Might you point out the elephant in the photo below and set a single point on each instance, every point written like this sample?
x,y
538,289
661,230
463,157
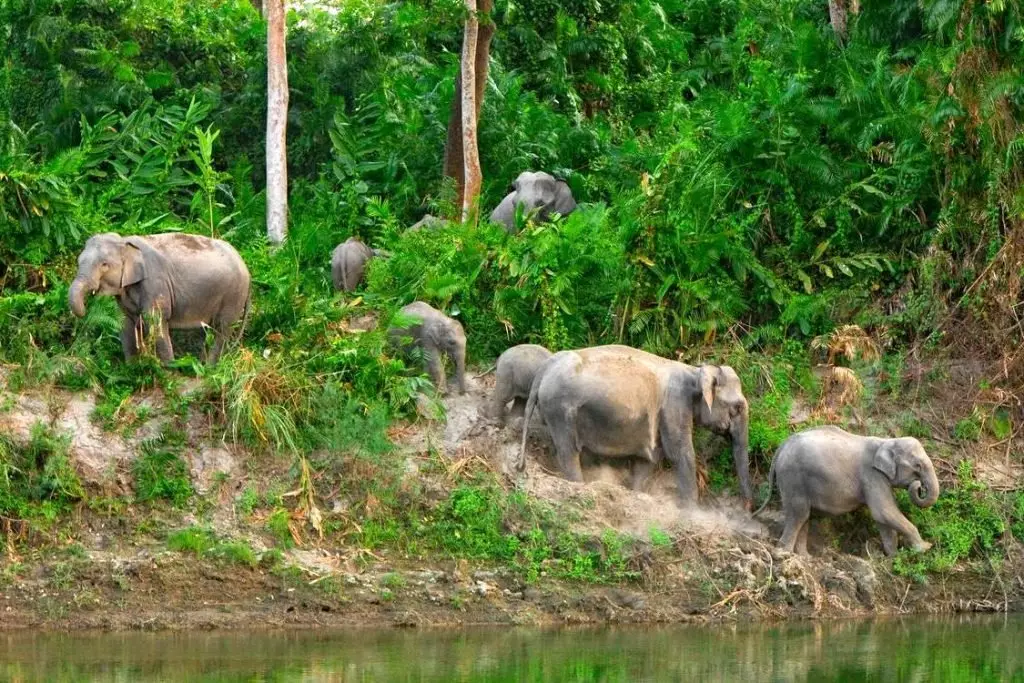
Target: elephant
x,y
833,471
187,281
348,263
540,192
514,373
619,401
428,222
435,333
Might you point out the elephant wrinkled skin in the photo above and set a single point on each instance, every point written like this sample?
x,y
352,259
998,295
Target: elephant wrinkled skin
x,y
185,281
536,192
832,471
435,333
619,401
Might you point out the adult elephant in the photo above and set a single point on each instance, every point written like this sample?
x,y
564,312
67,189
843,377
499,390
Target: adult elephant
x,y
619,401
538,192
175,280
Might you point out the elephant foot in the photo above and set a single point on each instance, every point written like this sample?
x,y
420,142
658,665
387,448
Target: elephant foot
x,y
922,547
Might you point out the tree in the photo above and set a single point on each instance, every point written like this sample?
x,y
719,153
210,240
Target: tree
x,y
473,69
838,14
277,122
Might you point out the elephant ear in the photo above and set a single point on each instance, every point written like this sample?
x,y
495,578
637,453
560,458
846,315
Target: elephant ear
x,y
885,461
133,268
708,377
564,203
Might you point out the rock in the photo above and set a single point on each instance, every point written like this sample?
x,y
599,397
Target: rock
x,y
865,580
207,463
484,576
624,598
482,588
531,593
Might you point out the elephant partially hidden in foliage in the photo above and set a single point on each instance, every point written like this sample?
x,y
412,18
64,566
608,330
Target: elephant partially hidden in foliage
x,y
619,401
436,334
536,192
348,263
830,470
514,375
172,280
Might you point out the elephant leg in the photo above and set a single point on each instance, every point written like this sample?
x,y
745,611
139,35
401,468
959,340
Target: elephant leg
x,y
889,539
642,471
220,338
798,512
886,513
164,348
563,433
435,368
801,538
130,337
498,403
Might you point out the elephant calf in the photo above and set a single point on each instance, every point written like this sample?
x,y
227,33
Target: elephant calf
x,y
536,192
833,471
348,263
185,281
515,371
435,333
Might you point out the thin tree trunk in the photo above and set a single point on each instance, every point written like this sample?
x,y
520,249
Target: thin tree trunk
x,y
470,151
837,15
454,156
277,123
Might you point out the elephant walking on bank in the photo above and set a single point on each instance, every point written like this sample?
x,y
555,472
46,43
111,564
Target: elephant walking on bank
x,y
536,192
436,334
830,470
619,401
175,280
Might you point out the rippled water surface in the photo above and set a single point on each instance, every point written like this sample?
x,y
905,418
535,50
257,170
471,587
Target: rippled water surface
x,y
962,649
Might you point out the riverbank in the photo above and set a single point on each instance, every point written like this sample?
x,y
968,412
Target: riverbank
x,y
430,531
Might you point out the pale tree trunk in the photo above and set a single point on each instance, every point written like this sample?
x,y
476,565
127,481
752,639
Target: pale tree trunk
x,y
839,12
454,156
471,156
277,123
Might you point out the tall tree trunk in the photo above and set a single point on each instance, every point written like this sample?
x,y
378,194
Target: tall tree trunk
x,y
277,123
837,14
471,156
454,156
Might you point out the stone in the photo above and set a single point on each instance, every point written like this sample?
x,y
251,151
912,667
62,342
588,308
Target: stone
x,y
207,463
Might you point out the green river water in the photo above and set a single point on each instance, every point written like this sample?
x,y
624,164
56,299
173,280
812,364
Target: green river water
x,y
958,649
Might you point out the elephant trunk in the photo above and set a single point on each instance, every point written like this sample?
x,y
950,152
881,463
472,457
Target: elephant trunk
x,y
76,295
924,493
740,455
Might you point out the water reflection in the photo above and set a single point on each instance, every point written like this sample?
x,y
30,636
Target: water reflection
x,y
960,649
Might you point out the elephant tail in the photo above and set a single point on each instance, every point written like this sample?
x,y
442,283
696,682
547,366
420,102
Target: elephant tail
x,y
245,320
771,480
531,403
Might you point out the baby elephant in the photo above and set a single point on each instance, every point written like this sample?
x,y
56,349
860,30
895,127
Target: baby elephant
x,y
833,471
436,333
515,371
348,263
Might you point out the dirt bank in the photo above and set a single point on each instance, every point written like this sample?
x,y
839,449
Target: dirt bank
x,y
110,565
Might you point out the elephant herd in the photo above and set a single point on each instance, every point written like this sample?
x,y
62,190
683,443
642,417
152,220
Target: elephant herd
x,y
617,401
613,401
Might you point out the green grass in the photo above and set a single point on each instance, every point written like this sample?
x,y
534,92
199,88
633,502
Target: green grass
x,y
204,543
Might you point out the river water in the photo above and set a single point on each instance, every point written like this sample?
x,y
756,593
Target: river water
x,y
958,649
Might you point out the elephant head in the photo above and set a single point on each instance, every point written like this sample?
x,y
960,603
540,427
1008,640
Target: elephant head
x,y
536,192
107,265
905,464
722,407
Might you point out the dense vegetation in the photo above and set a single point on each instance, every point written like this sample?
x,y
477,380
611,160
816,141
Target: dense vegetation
x,y
749,184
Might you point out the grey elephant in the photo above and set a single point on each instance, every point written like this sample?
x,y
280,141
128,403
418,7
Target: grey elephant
x,y
618,401
537,192
436,334
428,222
178,280
832,471
348,263
514,375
